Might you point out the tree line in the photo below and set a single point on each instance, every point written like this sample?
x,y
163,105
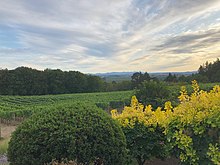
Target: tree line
x,y
28,81
208,72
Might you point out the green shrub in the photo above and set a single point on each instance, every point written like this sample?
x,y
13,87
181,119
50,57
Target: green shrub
x,y
194,128
143,131
78,132
152,92
146,142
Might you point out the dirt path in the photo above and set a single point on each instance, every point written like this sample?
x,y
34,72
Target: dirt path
x,y
6,130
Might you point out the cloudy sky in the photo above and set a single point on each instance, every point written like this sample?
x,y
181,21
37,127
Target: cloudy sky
x,y
109,35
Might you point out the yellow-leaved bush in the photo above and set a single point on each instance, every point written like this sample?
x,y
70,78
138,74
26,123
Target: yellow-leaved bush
x,y
191,129
194,127
137,113
144,130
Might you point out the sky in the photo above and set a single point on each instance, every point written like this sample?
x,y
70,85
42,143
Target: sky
x,y
94,36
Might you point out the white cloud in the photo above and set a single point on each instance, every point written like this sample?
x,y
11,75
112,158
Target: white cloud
x,y
101,36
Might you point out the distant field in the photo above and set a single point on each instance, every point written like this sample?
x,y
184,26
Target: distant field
x,y
117,78
23,106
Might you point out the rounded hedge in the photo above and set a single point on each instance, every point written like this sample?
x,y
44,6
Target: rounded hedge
x,y
79,132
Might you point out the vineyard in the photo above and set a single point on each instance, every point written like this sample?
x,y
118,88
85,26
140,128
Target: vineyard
x,y
19,107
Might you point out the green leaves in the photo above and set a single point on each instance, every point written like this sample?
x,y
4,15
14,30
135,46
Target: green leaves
x,y
146,142
194,128
76,131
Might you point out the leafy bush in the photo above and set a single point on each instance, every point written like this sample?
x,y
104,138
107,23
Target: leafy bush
x,y
152,92
79,132
194,127
144,133
146,143
191,129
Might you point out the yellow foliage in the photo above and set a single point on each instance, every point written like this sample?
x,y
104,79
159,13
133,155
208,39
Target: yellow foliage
x,y
137,113
199,107
183,94
193,108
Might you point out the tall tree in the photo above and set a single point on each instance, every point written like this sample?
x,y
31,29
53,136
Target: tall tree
x,y
210,71
137,78
171,78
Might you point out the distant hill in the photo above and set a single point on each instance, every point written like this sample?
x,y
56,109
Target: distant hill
x,y
116,76
126,76
163,75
